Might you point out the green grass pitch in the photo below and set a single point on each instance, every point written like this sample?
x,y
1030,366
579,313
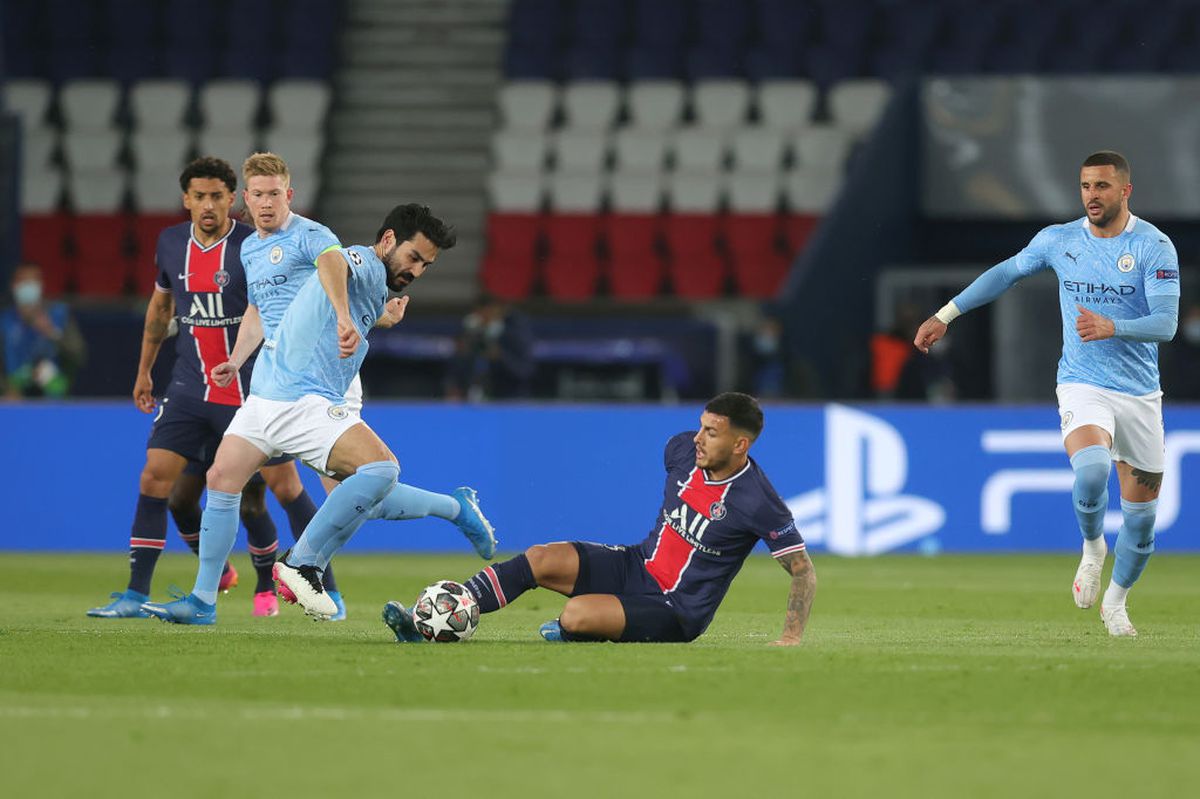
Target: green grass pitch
x,y
925,677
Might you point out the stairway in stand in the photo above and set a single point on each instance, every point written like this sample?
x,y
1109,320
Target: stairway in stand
x,y
411,120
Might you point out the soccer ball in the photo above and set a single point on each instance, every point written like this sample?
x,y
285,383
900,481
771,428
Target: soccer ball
x,y
446,611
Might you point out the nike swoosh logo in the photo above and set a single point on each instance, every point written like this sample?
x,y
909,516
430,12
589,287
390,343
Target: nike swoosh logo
x,y
186,275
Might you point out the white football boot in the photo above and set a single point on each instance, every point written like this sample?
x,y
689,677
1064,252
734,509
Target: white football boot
x,y
1117,622
1086,586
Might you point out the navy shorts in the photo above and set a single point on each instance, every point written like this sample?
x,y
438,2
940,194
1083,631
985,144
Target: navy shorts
x,y
619,570
193,428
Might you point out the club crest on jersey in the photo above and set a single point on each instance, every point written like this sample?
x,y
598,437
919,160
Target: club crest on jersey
x,y
221,278
277,254
716,511
338,412
1125,263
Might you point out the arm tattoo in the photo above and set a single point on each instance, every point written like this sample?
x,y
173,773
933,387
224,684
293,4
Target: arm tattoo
x,y
800,597
1151,480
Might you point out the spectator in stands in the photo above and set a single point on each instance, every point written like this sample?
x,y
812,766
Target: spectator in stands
x,y
42,345
895,374
494,355
1179,359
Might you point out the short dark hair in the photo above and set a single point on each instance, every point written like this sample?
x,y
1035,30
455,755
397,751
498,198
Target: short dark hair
x,y
406,221
742,410
1108,158
209,167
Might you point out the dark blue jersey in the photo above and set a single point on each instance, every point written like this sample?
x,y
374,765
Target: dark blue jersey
x,y
209,288
707,528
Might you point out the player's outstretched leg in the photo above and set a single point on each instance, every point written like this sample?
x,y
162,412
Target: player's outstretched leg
x,y
1092,466
1135,544
300,569
461,507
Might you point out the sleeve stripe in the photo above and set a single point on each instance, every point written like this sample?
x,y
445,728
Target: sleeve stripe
x,y
789,550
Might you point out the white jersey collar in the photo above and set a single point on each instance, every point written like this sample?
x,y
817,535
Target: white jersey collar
x,y
1133,220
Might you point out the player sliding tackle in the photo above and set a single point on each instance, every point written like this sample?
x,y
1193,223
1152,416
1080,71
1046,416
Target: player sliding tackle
x,y
1108,390
717,505
297,406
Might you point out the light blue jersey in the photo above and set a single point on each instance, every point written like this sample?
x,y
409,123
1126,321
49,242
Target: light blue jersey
x,y
280,264
302,357
1114,277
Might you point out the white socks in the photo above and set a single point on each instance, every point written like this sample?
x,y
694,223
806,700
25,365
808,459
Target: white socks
x,y
1095,548
1114,597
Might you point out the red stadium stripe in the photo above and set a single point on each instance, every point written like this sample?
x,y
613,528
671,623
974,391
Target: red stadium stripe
x,y
147,543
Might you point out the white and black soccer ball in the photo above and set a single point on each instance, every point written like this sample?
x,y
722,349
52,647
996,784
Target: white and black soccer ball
x,y
445,612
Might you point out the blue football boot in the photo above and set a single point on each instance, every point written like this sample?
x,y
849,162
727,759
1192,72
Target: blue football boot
x,y
400,619
127,605
336,596
186,609
473,523
552,631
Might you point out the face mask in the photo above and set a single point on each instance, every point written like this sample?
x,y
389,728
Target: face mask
x,y
28,293
1191,331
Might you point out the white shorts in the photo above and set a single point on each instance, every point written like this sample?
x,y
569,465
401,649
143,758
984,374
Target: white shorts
x,y
1135,423
354,396
306,429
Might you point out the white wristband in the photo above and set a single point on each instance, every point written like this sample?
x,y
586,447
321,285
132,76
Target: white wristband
x,y
948,313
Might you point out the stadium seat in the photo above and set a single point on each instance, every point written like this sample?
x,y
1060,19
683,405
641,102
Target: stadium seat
x,y
306,189
655,104
653,63
721,104
89,104
536,23
636,192
811,190
576,192
699,149
300,148
516,191
586,63
694,192
661,23
227,143
29,99
45,240
528,104
298,105
758,262
91,149
146,229
722,22
41,191
229,104
704,62
634,268
786,105
856,105
798,229
757,148
572,261
581,151
638,149
695,265
518,149
156,191
821,147
509,267
590,105
99,190
161,149
598,22
102,261
37,149
159,105
754,191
